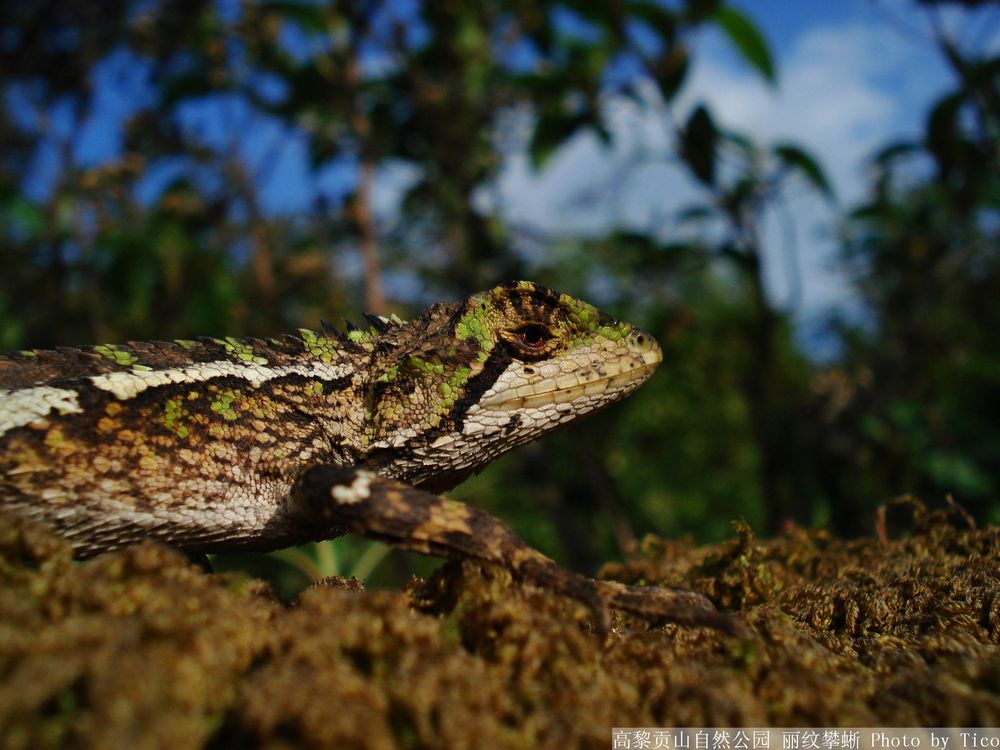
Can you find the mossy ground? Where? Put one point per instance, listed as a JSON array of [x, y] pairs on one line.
[[142, 649]]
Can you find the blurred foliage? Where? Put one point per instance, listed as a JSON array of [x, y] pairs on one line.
[[922, 411], [153, 217]]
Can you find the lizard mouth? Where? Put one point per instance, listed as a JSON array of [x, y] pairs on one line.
[[601, 381]]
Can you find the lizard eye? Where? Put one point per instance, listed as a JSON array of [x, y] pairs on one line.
[[533, 335]]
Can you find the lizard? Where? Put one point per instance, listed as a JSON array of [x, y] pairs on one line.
[[239, 444]]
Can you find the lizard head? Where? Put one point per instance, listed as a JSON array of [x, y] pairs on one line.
[[463, 383]]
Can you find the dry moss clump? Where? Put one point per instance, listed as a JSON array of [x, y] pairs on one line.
[[141, 649]]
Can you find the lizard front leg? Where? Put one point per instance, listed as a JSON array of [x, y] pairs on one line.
[[413, 519]]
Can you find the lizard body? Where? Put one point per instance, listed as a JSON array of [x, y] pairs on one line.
[[223, 444]]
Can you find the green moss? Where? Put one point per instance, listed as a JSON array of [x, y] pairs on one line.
[[844, 633]]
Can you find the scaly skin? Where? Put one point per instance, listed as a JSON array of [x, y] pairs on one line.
[[223, 444]]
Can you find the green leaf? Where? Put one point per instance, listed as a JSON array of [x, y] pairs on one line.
[[697, 11], [698, 141], [670, 70], [799, 160], [748, 40], [944, 135]]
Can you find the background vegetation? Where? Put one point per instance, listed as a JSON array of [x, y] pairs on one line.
[[167, 233]]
